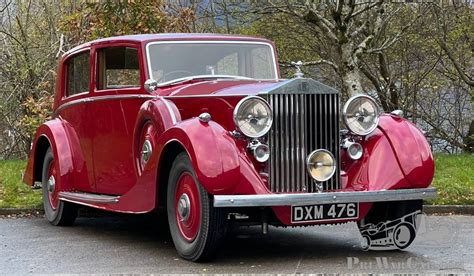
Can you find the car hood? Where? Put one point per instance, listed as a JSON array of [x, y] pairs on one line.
[[219, 88]]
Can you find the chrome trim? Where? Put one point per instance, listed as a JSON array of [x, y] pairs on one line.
[[298, 74], [101, 98], [265, 103], [79, 197], [51, 184], [397, 112], [170, 110], [308, 164], [204, 117], [321, 198], [254, 145], [147, 150], [150, 85], [275, 65], [347, 144], [305, 118], [377, 111]]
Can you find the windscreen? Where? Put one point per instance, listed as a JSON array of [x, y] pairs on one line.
[[170, 61]]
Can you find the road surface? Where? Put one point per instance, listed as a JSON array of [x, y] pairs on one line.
[[138, 244]]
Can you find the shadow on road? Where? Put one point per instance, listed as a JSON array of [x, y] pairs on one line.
[[243, 244]]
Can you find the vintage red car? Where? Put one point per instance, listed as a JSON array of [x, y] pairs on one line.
[[203, 127]]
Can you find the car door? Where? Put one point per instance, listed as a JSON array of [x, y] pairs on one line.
[[74, 84], [117, 90]]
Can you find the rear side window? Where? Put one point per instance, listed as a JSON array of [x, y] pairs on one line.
[[78, 74], [118, 68]]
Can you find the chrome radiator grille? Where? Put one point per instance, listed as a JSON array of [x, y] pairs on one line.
[[301, 123]]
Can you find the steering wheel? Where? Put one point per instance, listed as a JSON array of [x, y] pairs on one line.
[[180, 73]]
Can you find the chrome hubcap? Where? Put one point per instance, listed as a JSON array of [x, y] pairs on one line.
[[51, 184], [184, 207], [146, 150]]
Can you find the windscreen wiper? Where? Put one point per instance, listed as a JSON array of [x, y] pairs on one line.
[[190, 78]]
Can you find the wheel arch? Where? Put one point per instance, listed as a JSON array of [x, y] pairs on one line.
[[168, 155], [42, 146]]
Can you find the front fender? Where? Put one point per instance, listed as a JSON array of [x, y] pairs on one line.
[[411, 149], [213, 153]]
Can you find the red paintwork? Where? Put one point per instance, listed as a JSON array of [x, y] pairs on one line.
[[96, 143], [53, 196]]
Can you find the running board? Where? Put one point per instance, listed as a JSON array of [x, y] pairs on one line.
[[81, 198]]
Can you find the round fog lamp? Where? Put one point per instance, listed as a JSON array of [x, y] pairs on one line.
[[261, 153], [354, 151], [321, 165]]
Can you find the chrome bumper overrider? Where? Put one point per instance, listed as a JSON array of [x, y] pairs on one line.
[[320, 198]]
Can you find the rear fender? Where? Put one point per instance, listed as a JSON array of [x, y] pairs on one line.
[[64, 143]]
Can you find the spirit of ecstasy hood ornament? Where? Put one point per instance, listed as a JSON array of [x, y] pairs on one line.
[[298, 73]]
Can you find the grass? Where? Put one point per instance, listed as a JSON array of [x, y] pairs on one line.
[[454, 179], [13, 192]]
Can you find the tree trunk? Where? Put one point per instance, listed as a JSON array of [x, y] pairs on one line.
[[469, 139], [350, 72]]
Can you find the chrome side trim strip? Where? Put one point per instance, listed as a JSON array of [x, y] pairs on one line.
[[321, 198], [79, 197], [171, 111], [102, 98]]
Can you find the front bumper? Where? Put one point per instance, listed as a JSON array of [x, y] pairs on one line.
[[321, 198]]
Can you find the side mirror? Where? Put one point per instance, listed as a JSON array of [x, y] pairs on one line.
[[150, 85]]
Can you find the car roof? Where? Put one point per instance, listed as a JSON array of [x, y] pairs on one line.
[[144, 38]]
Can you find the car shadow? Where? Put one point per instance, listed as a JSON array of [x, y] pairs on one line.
[[150, 233]]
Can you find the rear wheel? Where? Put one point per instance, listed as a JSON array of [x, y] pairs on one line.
[[197, 228], [57, 212]]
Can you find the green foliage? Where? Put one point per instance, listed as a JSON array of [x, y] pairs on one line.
[[35, 34], [13, 192], [98, 19], [37, 111]]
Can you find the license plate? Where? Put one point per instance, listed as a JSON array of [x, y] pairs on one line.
[[324, 212]]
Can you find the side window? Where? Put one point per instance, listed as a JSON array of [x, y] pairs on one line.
[[118, 68], [78, 74]]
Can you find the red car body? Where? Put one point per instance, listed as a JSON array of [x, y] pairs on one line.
[[96, 139]]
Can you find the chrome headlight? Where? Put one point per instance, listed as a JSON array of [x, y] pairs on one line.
[[253, 116], [361, 114]]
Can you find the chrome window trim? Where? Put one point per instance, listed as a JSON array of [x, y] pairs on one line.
[[100, 98], [275, 68], [115, 97], [322, 198]]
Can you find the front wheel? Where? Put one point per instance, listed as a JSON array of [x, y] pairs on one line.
[[197, 228], [57, 212]]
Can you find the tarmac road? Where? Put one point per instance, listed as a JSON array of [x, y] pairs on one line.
[[137, 244]]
